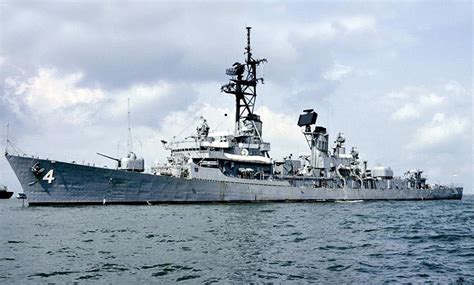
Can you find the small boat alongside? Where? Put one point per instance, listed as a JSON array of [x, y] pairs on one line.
[[21, 196], [4, 193]]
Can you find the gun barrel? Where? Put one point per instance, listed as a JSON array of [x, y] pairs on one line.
[[109, 157]]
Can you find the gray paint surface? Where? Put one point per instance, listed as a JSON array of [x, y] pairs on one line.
[[81, 184]]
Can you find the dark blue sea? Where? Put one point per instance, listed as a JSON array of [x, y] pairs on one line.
[[373, 242]]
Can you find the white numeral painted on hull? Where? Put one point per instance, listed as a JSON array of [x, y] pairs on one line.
[[49, 176]]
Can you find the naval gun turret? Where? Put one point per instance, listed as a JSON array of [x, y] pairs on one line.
[[132, 163], [129, 163]]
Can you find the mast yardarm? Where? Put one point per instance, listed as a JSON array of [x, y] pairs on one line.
[[243, 85]]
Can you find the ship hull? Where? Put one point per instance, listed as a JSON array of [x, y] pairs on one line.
[[82, 184], [5, 194]]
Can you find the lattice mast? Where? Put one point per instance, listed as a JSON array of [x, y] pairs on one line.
[[243, 85]]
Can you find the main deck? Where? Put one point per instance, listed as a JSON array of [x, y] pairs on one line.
[[68, 183]]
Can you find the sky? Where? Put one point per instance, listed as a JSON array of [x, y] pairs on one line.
[[394, 77]]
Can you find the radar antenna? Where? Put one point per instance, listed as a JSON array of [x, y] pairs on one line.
[[243, 84]]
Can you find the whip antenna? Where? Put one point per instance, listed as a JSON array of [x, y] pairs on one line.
[[8, 138], [130, 141]]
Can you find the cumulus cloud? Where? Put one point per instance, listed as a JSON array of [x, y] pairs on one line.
[[413, 102], [49, 94], [282, 131], [434, 118], [61, 96], [50, 91], [155, 99], [441, 130]]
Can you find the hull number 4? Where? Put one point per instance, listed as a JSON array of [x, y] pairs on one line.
[[49, 176]]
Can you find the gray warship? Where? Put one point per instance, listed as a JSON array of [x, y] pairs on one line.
[[228, 167]]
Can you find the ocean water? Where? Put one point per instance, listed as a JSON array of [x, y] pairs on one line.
[[375, 242]]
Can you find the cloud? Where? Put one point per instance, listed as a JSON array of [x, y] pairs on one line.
[[338, 72], [440, 131], [455, 88], [332, 27], [433, 117], [282, 131], [49, 97], [116, 46], [413, 102], [407, 111], [49, 91], [360, 23], [155, 99], [430, 99]]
